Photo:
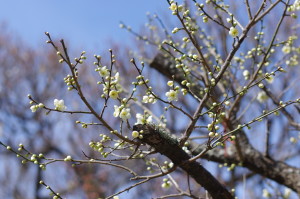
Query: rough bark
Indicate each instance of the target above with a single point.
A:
(169, 147)
(251, 158)
(255, 161)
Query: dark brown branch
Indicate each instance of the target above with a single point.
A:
(251, 158)
(167, 67)
(255, 161)
(168, 146)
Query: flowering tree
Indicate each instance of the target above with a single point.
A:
(24, 69)
(226, 94)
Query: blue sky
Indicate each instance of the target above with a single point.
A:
(87, 24)
(90, 23)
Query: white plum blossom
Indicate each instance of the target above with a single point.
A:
(246, 74)
(166, 185)
(172, 95)
(270, 79)
(103, 71)
(116, 78)
(34, 108)
(296, 5)
(113, 94)
(105, 89)
(170, 83)
(173, 7)
(145, 99)
(262, 96)
(117, 111)
(287, 193)
(143, 119)
(175, 30)
(33, 157)
(68, 158)
(59, 105)
(135, 134)
(125, 114)
(266, 193)
(293, 140)
(286, 49)
(233, 32)
(149, 99)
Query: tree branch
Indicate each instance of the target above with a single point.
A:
(168, 146)
(251, 158)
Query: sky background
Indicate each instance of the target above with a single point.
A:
(92, 24)
(89, 25)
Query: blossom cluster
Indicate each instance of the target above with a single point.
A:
(295, 6)
(143, 119)
(59, 105)
(122, 112)
(34, 108)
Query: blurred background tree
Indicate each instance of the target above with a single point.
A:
(275, 140)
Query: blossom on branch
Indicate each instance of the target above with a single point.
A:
(34, 108)
(149, 99)
(296, 5)
(173, 7)
(262, 96)
(59, 105)
(125, 114)
(103, 71)
(113, 94)
(143, 119)
(117, 111)
(172, 95)
(233, 32)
